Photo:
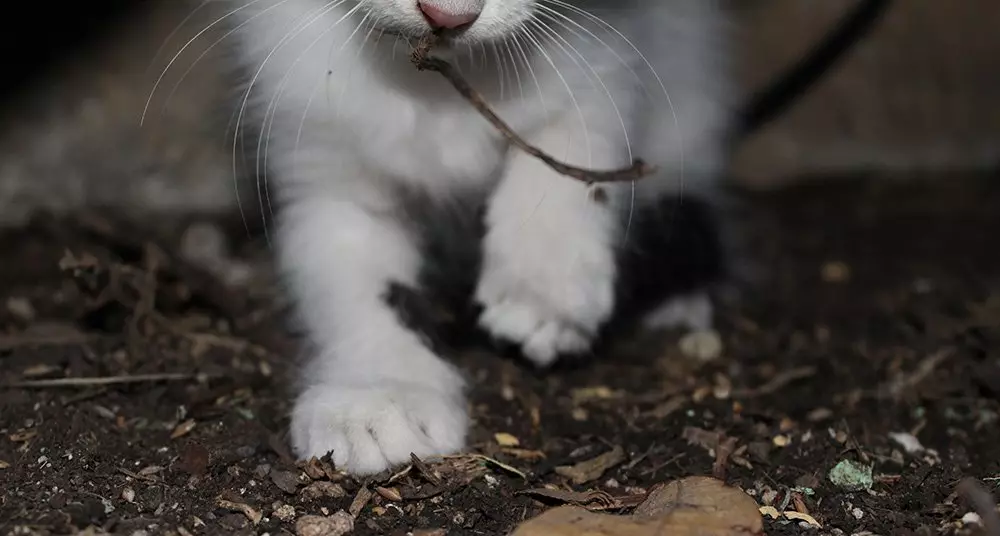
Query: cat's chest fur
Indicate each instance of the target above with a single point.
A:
(415, 126)
(374, 110)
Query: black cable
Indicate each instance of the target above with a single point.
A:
(769, 103)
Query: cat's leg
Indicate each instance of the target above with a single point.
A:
(549, 259)
(373, 393)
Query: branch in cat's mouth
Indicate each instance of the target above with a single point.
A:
(424, 62)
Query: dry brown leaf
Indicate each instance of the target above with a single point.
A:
(591, 499)
(799, 516)
(695, 506)
(592, 469)
(770, 512)
(316, 469)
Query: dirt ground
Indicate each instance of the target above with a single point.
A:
(872, 342)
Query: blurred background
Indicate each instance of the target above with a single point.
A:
(916, 97)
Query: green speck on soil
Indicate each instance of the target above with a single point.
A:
(852, 476)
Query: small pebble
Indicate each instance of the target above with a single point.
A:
(286, 481)
(285, 512)
(972, 518)
(323, 489)
(338, 524)
(262, 470)
(234, 521)
(21, 309)
(836, 272)
(908, 441)
(702, 345)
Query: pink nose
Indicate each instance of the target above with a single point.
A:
(441, 18)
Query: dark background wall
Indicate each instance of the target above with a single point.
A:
(47, 35)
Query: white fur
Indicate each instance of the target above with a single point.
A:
(355, 123)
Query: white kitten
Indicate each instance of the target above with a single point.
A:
(351, 124)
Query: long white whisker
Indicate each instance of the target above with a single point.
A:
(528, 63)
(326, 76)
(614, 105)
(601, 22)
(513, 63)
(501, 71)
(569, 89)
(185, 47)
(205, 52)
(568, 47)
(673, 112)
(280, 92)
(343, 87)
(297, 30)
(173, 32)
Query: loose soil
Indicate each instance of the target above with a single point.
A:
(877, 322)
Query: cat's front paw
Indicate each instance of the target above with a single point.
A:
(371, 428)
(552, 303)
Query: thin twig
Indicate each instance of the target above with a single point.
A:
(907, 382)
(103, 380)
(12, 342)
(776, 383)
(424, 62)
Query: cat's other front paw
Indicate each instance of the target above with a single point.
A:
(371, 428)
(550, 305)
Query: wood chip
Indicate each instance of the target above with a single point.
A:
(590, 470)
(424, 470)
(506, 440)
(317, 469)
(252, 514)
(360, 501)
(390, 494)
